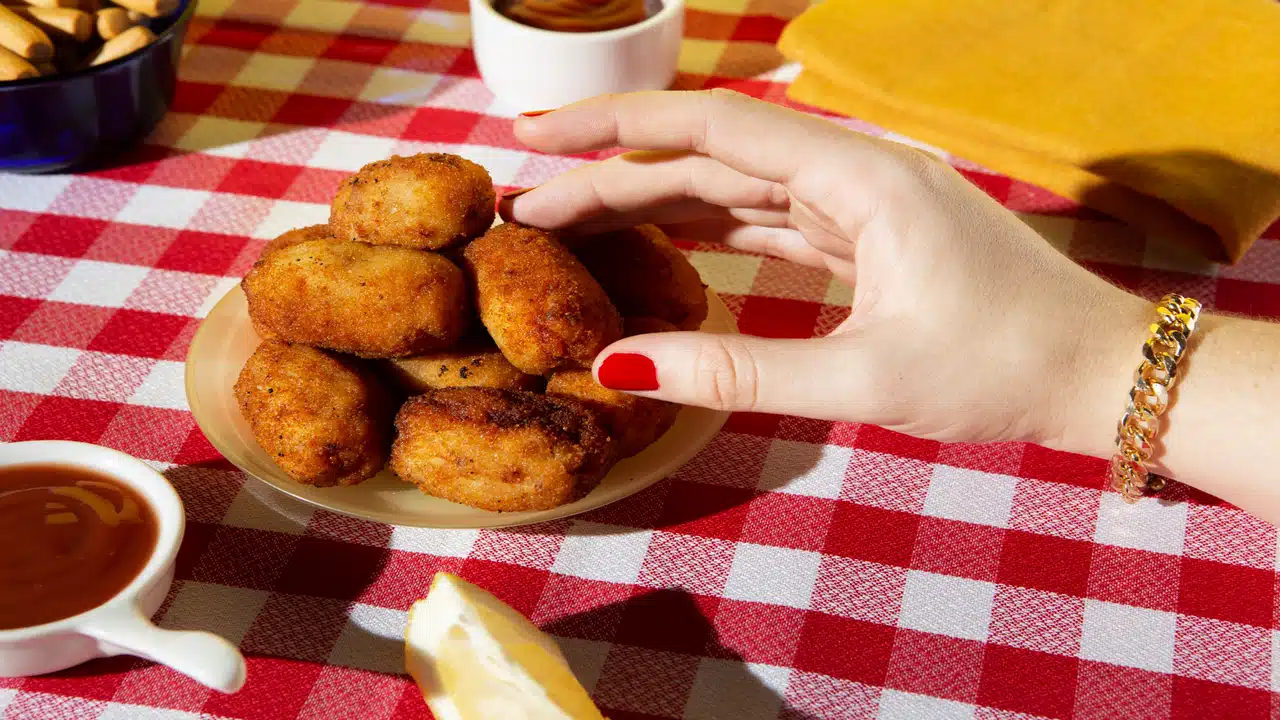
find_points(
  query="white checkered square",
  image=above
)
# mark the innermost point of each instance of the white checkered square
(6, 697)
(970, 495)
(461, 93)
(274, 72)
(286, 215)
(602, 552)
(219, 609)
(217, 291)
(733, 689)
(373, 639)
(804, 468)
(261, 508)
(811, 695)
(898, 705)
(1159, 254)
(502, 164)
(163, 206)
(773, 575)
(220, 136)
(31, 275)
(25, 367)
(430, 541)
(1129, 636)
(122, 711)
(533, 547)
(946, 605)
(727, 273)
(164, 387)
(393, 86)
(98, 283)
(1275, 661)
(352, 694)
(1146, 525)
(586, 658)
(348, 151)
(31, 192)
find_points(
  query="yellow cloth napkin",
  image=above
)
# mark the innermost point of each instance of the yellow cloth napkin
(1162, 113)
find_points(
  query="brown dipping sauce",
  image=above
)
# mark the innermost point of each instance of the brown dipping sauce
(574, 15)
(70, 539)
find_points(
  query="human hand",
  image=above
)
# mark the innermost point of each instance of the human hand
(966, 325)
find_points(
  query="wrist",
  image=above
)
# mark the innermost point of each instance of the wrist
(1095, 374)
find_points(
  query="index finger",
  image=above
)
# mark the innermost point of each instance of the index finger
(751, 136)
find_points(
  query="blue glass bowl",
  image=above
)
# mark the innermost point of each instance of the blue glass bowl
(88, 117)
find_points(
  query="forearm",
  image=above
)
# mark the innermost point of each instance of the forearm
(1221, 432)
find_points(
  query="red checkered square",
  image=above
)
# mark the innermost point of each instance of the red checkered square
(520, 587)
(671, 620)
(314, 185)
(580, 608)
(707, 510)
(14, 312)
(93, 198)
(1050, 508)
(1249, 601)
(68, 419)
(962, 549)
(133, 332)
(1248, 298)
(778, 318)
(888, 482)
(101, 376)
(731, 459)
(845, 648)
(749, 423)
(495, 132)
(858, 589)
(1106, 692)
(245, 558)
(1231, 536)
(756, 632)
(1134, 577)
(250, 177)
(440, 125)
(935, 665)
(17, 406)
(63, 324)
(1202, 700)
(196, 171)
(639, 511)
(1045, 562)
(96, 680)
(199, 252)
(326, 525)
(274, 688)
(350, 694)
(878, 439)
(1040, 463)
(1036, 620)
(314, 110)
(153, 433)
(360, 49)
(1027, 681)
(805, 528)
(297, 627)
(1223, 652)
(697, 564)
(405, 578)
(535, 546)
(1001, 458)
(159, 686)
(327, 568)
(13, 223)
(206, 492)
(758, 28)
(648, 681)
(868, 533)
(60, 235)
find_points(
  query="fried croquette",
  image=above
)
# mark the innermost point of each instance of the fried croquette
(635, 422)
(537, 300)
(296, 236)
(506, 450)
(430, 201)
(325, 420)
(474, 363)
(367, 300)
(645, 275)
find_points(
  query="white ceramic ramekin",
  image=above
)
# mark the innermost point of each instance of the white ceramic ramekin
(529, 68)
(120, 626)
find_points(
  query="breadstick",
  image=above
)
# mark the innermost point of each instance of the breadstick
(136, 17)
(22, 38)
(112, 21)
(49, 3)
(13, 67)
(64, 22)
(135, 38)
(150, 8)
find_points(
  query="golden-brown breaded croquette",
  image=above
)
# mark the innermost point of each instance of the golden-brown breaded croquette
(325, 420)
(503, 450)
(538, 302)
(296, 236)
(635, 422)
(476, 362)
(645, 275)
(430, 201)
(367, 300)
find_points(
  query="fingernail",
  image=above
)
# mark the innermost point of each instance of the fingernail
(628, 371)
(534, 113)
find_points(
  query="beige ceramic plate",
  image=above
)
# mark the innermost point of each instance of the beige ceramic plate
(226, 339)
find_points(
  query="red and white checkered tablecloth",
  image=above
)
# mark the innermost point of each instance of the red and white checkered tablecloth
(795, 569)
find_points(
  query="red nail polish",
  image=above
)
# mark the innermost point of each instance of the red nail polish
(628, 371)
(534, 113)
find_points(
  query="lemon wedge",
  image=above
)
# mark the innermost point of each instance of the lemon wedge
(475, 658)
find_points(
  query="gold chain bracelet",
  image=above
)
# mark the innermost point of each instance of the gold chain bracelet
(1152, 381)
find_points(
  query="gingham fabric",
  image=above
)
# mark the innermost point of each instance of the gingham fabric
(794, 569)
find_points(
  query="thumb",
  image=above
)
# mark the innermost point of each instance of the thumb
(819, 378)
